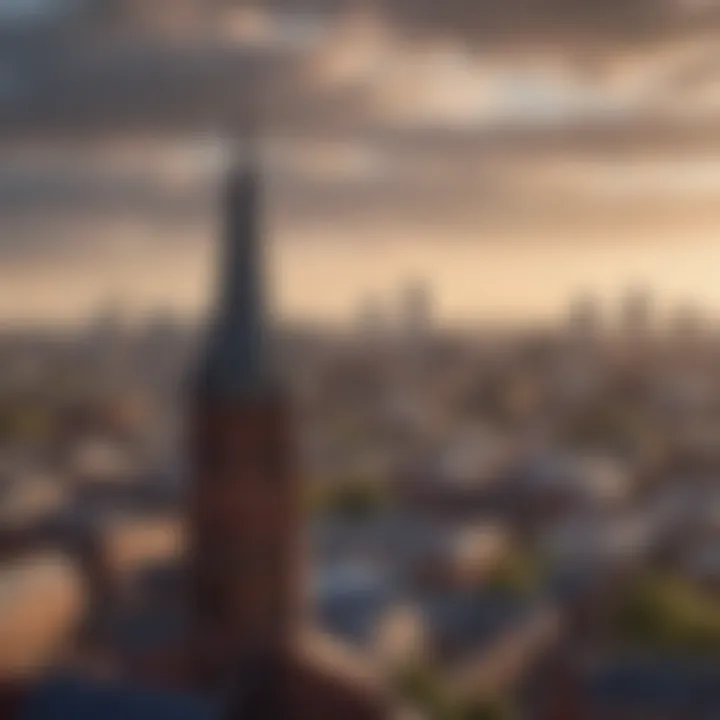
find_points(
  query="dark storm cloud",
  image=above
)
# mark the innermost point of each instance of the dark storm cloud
(150, 88)
(128, 88)
(52, 84)
(485, 18)
(22, 195)
(491, 20)
(53, 214)
(640, 137)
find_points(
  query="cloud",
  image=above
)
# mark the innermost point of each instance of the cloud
(518, 21)
(400, 67)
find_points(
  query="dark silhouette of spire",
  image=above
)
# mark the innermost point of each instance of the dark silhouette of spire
(237, 360)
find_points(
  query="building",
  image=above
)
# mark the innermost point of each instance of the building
(246, 503)
(372, 320)
(41, 602)
(417, 312)
(637, 315)
(584, 318)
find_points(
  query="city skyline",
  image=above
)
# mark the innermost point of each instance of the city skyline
(470, 285)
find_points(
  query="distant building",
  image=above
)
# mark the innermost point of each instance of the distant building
(586, 544)
(584, 320)
(651, 687)
(372, 319)
(687, 323)
(417, 311)
(484, 642)
(637, 314)
(463, 558)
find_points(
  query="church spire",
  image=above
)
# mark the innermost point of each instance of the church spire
(237, 359)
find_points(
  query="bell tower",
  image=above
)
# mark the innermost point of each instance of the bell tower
(245, 499)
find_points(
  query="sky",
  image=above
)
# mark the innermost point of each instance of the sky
(510, 156)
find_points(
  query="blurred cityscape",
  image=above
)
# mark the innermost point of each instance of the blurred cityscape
(506, 497)
(528, 517)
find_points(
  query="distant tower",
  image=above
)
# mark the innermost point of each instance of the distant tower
(584, 317)
(637, 314)
(245, 495)
(372, 320)
(687, 324)
(417, 311)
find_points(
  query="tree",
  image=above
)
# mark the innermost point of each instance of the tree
(352, 499)
(669, 614)
(422, 686)
(488, 709)
(519, 572)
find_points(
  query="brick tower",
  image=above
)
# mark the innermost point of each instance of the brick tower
(245, 500)
(247, 641)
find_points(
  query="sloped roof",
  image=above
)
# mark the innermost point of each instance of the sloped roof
(62, 698)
